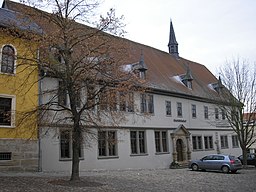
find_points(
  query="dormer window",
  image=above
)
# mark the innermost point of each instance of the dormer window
(218, 85)
(187, 79)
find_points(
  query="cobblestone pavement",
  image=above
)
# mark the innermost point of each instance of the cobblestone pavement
(180, 180)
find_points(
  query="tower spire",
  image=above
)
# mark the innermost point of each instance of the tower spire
(173, 44)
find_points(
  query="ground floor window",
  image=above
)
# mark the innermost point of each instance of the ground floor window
(161, 141)
(235, 141)
(208, 142)
(138, 142)
(66, 145)
(6, 109)
(197, 142)
(107, 143)
(224, 141)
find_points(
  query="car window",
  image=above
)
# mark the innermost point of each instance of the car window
(209, 157)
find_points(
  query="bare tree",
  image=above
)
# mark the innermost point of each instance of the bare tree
(239, 77)
(88, 65)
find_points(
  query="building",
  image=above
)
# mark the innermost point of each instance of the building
(251, 117)
(18, 95)
(183, 121)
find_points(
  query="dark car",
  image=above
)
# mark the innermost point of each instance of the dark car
(224, 163)
(251, 159)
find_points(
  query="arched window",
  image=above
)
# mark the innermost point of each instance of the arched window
(8, 59)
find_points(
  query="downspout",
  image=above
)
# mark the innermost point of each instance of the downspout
(38, 123)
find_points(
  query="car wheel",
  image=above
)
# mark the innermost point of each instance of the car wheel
(194, 167)
(225, 169)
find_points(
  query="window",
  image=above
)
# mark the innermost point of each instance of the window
(224, 141)
(168, 108)
(107, 143)
(147, 103)
(161, 141)
(194, 111)
(223, 114)
(90, 97)
(208, 142)
(108, 100)
(5, 156)
(62, 94)
(66, 145)
(216, 113)
(206, 116)
(235, 141)
(138, 142)
(6, 108)
(126, 102)
(179, 109)
(197, 142)
(8, 59)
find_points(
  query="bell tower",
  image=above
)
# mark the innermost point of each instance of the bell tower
(173, 45)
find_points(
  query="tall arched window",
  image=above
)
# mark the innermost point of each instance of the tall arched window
(8, 59)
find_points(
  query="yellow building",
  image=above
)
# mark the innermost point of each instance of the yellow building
(18, 96)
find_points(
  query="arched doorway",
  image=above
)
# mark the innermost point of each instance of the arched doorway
(179, 148)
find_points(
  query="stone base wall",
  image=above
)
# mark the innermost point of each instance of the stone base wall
(24, 155)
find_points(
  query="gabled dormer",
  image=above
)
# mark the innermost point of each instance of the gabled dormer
(140, 68)
(187, 78)
(173, 44)
(218, 86)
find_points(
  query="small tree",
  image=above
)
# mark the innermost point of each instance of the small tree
(239, 78)
(88, 64)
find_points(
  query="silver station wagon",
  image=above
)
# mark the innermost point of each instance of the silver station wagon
(224, 163)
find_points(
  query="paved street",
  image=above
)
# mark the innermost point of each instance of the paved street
(132, 180)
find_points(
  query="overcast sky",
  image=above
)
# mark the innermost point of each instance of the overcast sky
(208, 31)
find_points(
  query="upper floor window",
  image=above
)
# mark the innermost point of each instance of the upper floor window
(179, 109)
(62, 94)
(216, 113)
(126, 102)
(206, 115)
(194, 111)
(168, 108)
(7, 59)
(6, 108)
(223, 114)
(147, 103)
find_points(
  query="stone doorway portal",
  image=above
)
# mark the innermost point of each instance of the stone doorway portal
(181, 145)
(179, 148)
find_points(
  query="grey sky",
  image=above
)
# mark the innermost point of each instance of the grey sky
(208, 31)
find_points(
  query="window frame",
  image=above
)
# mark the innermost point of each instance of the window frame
(137, 143)
(107, 144)
(161, 142)
(224, 142)
(69, 158)
(193, 111)
(216, 113)
(168, 108)
(197, 142)
(14, 59)
(13, 108)
(206, 112)
(208, 142)
(179, 109)
(147, 103)
(235, 141)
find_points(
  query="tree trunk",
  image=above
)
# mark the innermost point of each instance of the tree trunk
(244, 157)
(76, 141)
